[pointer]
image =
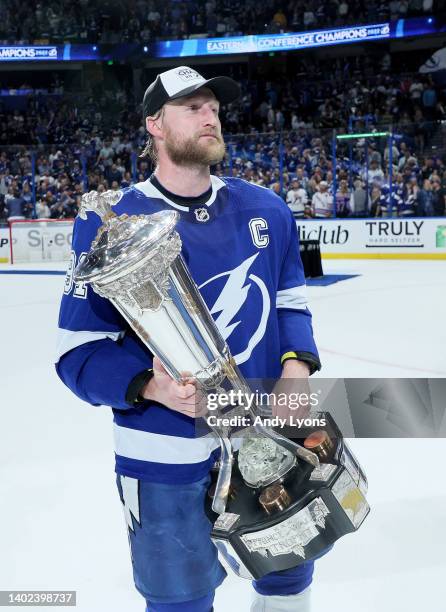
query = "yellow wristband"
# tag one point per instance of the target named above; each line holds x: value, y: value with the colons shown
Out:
x: 289, y: 355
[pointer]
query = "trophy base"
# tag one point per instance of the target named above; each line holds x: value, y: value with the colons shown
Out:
x: 307, y: 511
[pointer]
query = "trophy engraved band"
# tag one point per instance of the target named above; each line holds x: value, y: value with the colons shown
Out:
x: 279, y: 502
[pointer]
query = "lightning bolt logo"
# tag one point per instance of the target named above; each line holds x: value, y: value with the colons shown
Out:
x: 130, y: 500
x: 232, y: 298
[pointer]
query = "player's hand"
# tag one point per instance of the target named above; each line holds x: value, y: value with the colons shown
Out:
x: 181, y: 397
x: 293, y: 386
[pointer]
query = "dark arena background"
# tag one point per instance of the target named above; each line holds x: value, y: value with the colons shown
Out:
x: 343, y: 116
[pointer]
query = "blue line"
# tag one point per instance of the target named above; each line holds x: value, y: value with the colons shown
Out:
x: 48, y: 272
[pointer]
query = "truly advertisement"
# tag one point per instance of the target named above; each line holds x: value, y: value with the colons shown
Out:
x: 401, y: 234
x: 370, y: 238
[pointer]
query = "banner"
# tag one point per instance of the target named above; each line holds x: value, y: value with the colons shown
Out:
x: 258, y: 43
x: 414, y: 238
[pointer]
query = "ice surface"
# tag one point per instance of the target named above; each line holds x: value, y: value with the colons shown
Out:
x: 61, y: 522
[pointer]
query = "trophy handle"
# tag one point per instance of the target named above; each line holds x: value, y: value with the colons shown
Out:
x: 239, y: 383
x: 99, y: 203
x: 291, y: 446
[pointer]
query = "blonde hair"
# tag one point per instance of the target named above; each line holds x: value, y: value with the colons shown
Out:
x: 150, y: 149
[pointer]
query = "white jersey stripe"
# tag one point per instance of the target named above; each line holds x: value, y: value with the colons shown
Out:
x: 67, y: 340
x: 294, y: 297
x: 159, y: 448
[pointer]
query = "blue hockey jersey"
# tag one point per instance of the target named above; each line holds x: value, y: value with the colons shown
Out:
x: 242, y: 249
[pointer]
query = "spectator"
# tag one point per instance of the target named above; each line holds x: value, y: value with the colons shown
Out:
x: 375, y: 175
x: 358, y: 201
x: 424, y: 204
x: 15, y: 206
x: 42, y: 209
x: 438, y: 197
x: 408, y: 204
x: 322, y: 202
x: 278, y: 190
x: 105, y: 154
x: 343, y: 200
x: 297, y: 200
x: 280, y: 19
x: 375, y: 202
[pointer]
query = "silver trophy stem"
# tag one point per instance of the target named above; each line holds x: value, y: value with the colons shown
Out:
x: 224, y: 474
x: 226, y: 458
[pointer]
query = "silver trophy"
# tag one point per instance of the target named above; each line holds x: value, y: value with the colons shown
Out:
x: 136, y: 263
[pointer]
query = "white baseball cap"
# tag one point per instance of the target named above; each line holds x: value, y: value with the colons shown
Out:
x: 182, y: 81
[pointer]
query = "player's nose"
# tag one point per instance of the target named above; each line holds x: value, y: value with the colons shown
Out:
x: 210, y: 118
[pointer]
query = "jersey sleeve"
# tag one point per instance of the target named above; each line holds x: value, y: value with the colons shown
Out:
x: 295, y: 321
x: 97, y: 357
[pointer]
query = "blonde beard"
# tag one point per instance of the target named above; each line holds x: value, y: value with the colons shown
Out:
x: 192, y: 152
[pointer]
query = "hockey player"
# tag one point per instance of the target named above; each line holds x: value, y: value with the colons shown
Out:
x: 240, y: 243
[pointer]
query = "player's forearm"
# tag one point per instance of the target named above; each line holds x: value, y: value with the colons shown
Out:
x: 295, y: 368
x: 100, y: 372
x: 296, y: 333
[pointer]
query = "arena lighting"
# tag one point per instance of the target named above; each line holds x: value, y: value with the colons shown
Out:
x: 95, y: 48
x: 145, y: 49
x: 365, y: 135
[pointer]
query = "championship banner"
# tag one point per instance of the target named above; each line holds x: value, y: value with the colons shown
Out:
x: 293, y: 41
x: 269, y: 42
x: 202, y: 46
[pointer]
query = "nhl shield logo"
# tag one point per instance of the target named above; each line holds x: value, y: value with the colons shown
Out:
x: 201, y: 214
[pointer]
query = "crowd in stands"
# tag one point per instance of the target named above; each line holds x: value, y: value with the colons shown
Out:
x: 306, y: 182
x: 116, y: 21
x: 287, y: 126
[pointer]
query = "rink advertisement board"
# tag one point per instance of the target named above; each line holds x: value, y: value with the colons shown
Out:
x: 414, y: 238
x: 4, y: 245
x: 35, y: 241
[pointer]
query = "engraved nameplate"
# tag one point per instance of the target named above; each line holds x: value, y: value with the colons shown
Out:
x: 292, y: 534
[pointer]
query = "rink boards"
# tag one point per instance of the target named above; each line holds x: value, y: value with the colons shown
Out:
x: 372, y: 238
